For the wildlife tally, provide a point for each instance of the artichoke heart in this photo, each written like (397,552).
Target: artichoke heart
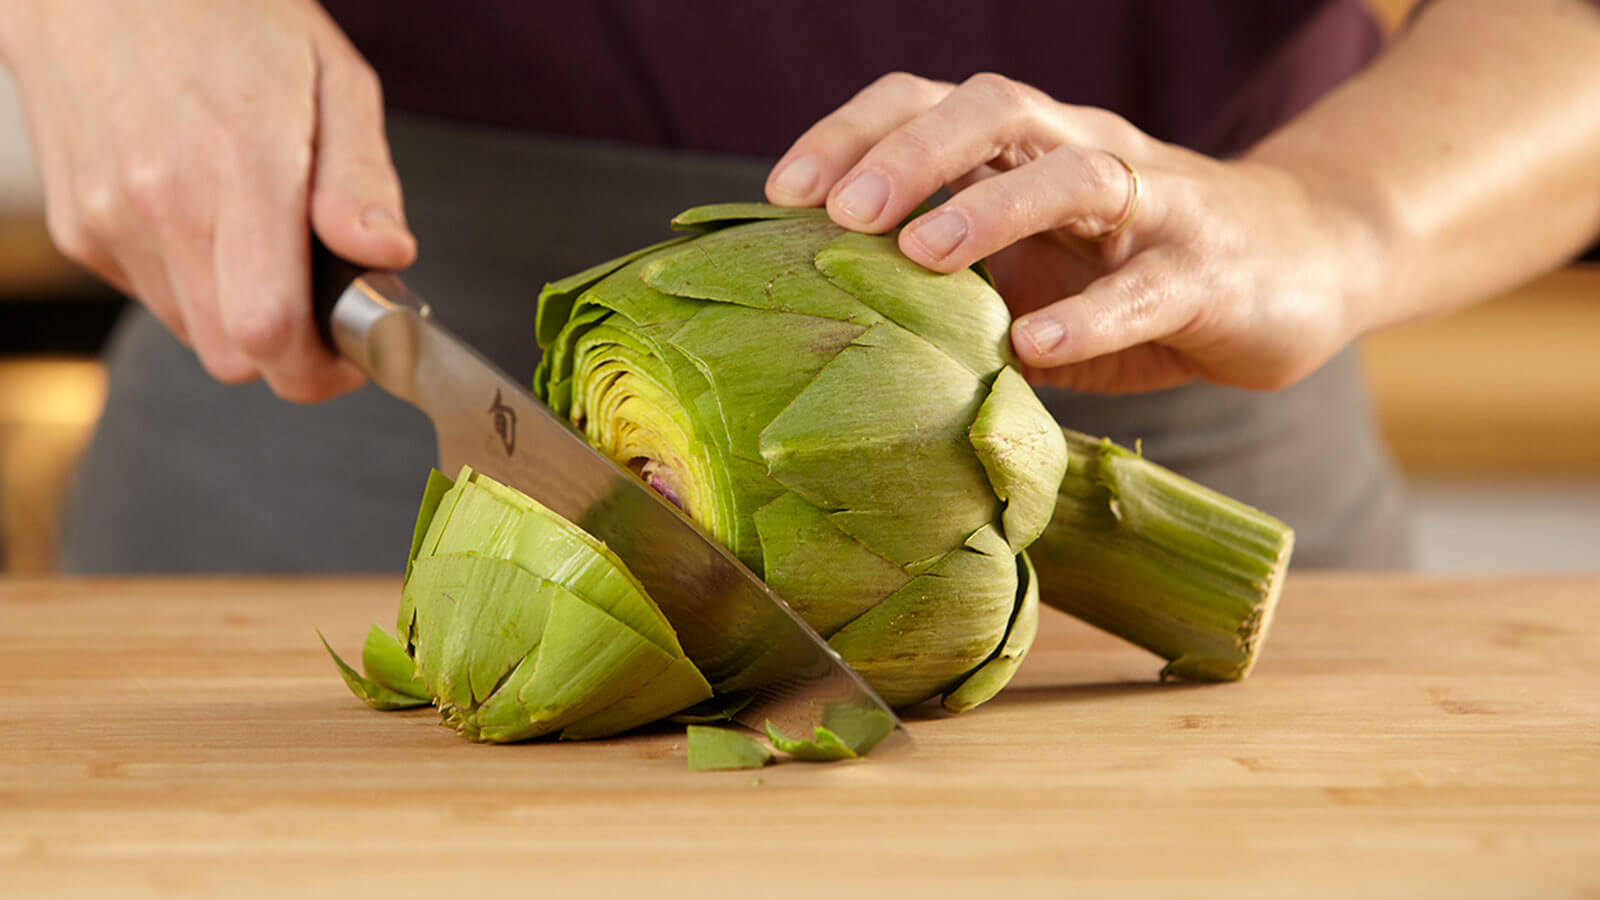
(850,425)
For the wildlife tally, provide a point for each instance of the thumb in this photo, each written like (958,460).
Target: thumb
(355,198)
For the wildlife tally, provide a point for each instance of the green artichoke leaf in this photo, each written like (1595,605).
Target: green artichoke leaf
(586,661)
(552,379)
(766,265)
(386,662)
(368,691)
(943,624)
(557,299)
(859,726)
(828,576)
(482,521)
(879,462)
(822,746)
(711,749)
(983,684)
(1024,453)
(476,618)
(678,687)
(433,493)
(958,313)
(718,215)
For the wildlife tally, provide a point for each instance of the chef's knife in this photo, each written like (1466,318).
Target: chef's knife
(749,644)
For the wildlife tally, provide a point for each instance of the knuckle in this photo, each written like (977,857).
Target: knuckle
(899,83)
(366,84)
(260,330)
(100,206)
(149,185)
(1010,202)
(1139,299)
(998,89)
(916,147)
(1102,175)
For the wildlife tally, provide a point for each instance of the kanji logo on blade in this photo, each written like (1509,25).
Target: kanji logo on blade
(505,423)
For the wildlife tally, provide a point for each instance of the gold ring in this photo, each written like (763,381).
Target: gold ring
(1135,191)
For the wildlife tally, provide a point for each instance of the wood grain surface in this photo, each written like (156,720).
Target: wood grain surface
(1402,737)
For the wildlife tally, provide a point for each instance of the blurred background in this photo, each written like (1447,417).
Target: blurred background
(1494,413)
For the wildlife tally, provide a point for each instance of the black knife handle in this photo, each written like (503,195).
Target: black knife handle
(331,275)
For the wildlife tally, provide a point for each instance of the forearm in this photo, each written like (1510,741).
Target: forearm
(1466,160)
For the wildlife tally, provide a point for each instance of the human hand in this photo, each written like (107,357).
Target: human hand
(186,145)
(1241,273)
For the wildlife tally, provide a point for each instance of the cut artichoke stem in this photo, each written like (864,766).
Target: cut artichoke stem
(1163,562)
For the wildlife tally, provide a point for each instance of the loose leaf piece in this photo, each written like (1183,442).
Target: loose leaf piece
(822,746)
(712,749)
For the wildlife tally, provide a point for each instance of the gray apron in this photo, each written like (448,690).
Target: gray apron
(188,475)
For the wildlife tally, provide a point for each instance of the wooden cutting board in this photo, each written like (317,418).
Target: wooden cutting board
(1402,737)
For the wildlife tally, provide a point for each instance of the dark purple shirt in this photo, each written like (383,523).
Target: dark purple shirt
(748,77)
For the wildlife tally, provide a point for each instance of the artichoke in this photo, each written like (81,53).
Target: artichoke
(516,624)
(849,424)
(853,428)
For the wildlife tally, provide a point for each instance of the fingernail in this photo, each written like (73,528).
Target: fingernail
(1043,332)
(380,221)
(940,231)
(864,197)
(797,179)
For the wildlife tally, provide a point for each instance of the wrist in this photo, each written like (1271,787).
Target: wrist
(1355,225)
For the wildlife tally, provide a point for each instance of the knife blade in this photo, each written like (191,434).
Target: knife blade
(752,647)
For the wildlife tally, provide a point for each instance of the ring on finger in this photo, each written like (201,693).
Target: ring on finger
(1135,192)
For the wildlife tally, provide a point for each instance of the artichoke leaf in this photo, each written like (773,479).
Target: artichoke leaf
(585,662)
(958,313)
(901,445)
(1025,454)
(386,662)
(557,299)
(828,576)
(368,691)
(988,680)
(476,618)
(943,624)
(678,687)
(717,215)
(712,749)
(822,746)
(433,494)
(766,266)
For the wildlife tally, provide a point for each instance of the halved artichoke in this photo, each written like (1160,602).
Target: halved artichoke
(848,423)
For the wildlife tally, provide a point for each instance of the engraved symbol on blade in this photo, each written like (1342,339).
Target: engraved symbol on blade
(505,423)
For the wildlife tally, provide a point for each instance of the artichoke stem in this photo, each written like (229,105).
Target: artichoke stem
(1158,560)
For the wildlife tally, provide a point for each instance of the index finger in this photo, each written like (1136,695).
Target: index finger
(830,148)
(263,269)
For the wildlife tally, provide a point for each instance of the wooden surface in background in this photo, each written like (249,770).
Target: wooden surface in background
(47,408)
(30,266)
(1400,738)
(1510,387)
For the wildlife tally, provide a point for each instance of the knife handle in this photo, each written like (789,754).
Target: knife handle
(331,276)
(369,317)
